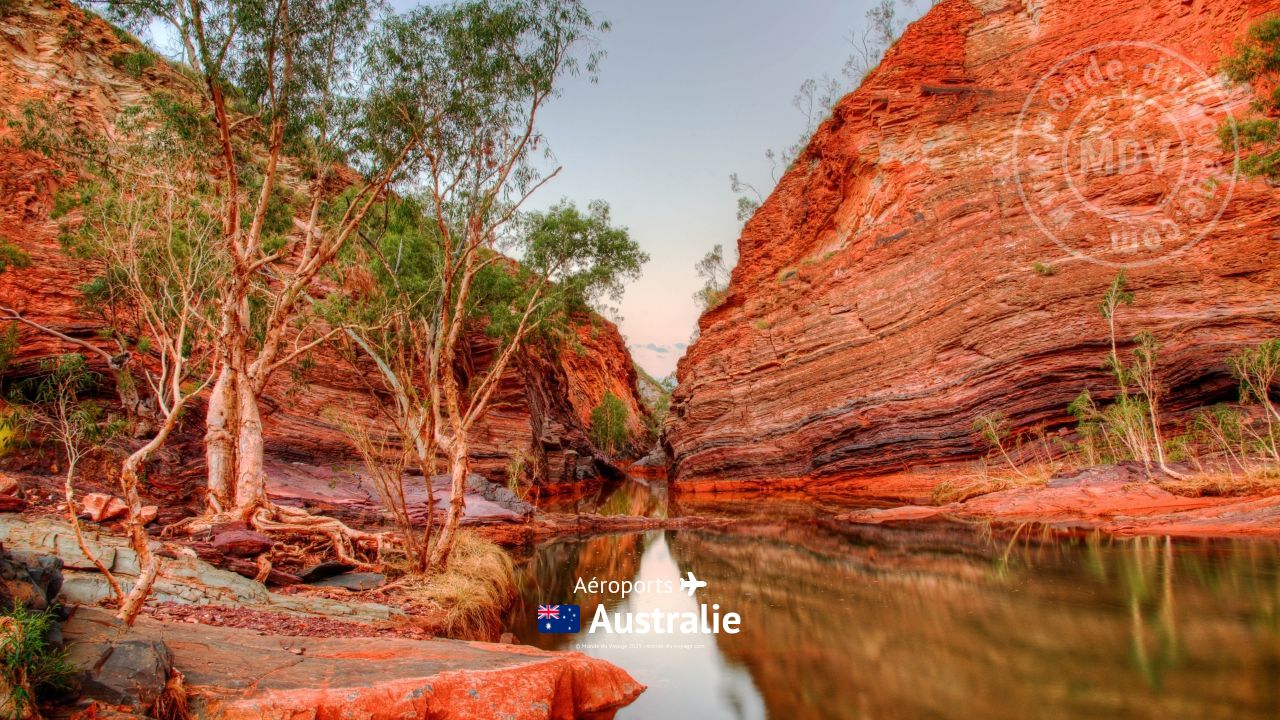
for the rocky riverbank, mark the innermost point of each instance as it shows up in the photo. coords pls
(242, 651)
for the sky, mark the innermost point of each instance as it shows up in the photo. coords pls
(688, 92)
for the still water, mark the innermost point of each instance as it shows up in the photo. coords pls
(937, 621)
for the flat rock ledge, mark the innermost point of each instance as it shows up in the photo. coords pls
(183, 579)
(237, 674)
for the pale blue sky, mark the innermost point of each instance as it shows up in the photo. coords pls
(688, 93)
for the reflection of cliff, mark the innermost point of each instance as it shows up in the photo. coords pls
(550, 574)
(1094, 629)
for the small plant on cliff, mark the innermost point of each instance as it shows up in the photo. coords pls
(1257, 369)
(12, 256)
(134, 63)
(609, 423)
(1257, 58)
(995, 428)
(1043, 269)
(31, 667)
(1132, 421)
(714, 273)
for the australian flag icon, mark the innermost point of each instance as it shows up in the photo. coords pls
(559, 619)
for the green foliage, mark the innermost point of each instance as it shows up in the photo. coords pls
(609, 424)
(714, 272)
(12, 256)
(1044, 269)
(1115, 296)
(993, 427)
(1257, 369)
(8, 346)
(1256, 59)
(32, 667)
(134, 63)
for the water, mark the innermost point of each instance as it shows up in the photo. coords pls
(939, 621)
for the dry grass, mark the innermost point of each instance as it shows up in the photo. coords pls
(1258, 480)
(985, 481)
(466, 601)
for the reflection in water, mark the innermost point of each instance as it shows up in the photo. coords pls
(627, 496)
(944, 622)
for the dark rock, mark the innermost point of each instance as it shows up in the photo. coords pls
(32, 580)
(11, 503)
(249, 569)
(324, 570)
(125, 672)
(45, 571)
(353, 581)
(241, 543)
(499, 495)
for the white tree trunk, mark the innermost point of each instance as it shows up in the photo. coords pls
(219, 441)
(459, 468)
(251, 479)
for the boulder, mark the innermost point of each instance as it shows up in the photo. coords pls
(149, 514)
(101, 507)
(498, 495)
(353, 581)
(241, 543)
(8, 485)
(29, 579)
(316, 573)
(131, 672)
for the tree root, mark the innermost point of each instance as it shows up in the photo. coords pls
(282, 520)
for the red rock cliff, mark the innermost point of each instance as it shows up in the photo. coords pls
(53, 52)
(939, 249)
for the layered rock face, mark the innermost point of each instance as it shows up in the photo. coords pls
(940, 248)
(52, 52)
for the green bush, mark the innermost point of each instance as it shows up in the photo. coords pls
(609, 424)
(134, 63)
(32, 668)
(12, 256)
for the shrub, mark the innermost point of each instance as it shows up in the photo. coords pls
(609, 424)
(1044, 269)
(133, 64)
(32, 668)
(12, 256)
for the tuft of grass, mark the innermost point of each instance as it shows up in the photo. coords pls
(30, 668)
(1044, 269)
(984, 482)
(471, 595)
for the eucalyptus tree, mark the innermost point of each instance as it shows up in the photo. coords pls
(477, 76)
(147, 234)
(569, 260)
(282, 84)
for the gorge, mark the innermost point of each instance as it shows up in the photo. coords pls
(982, 423)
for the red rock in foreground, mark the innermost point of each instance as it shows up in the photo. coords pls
(916, 268)
(237, 674)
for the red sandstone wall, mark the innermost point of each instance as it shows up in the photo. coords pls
(885, 294)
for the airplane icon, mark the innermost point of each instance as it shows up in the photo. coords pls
(692, 583)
